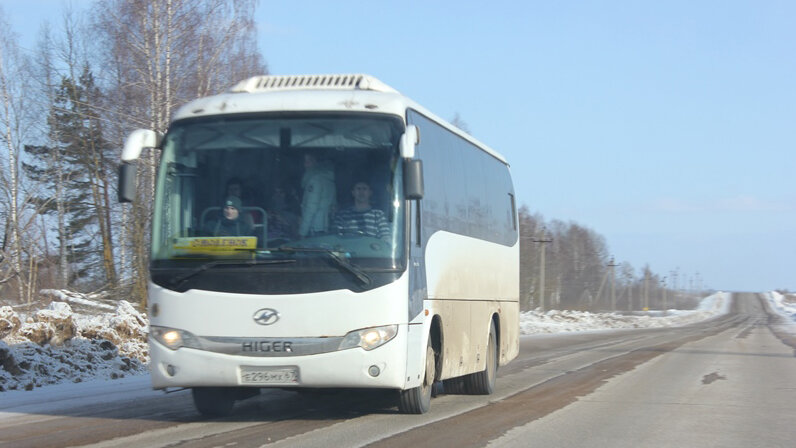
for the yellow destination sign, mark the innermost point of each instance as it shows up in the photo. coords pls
(216, 243)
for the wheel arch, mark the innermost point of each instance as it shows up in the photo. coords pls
(496, 324)
(437, 337)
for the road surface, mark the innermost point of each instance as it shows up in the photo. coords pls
(727, 382)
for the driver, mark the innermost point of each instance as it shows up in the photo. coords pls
(229, 222)
(362, 218)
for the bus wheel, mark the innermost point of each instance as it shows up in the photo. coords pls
(483, 382)
(213, 401)
(417, 400)
(454, 386)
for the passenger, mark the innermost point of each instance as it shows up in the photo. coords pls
(362, 218)
(235, 188)
(318, 196)
(282, 221)
(229, 223)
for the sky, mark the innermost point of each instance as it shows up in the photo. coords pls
(667, 127)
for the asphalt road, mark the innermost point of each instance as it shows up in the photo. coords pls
(726, 382)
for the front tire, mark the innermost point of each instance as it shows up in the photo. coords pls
(483, 382)
(213, 401)
(417, 400)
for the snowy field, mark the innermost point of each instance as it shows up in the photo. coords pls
(91, 341)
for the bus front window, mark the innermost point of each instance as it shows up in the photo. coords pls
(240, 194)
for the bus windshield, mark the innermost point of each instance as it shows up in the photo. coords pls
(321, 192)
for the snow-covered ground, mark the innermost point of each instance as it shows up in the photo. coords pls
(558, 321)
(93, 341)
(783, 305)
(61, 345)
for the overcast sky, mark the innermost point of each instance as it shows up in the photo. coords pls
(668, 127)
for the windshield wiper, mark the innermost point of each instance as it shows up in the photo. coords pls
(339, 259)
(177, 281)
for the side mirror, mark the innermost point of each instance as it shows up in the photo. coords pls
(409, 140)
(127, 178)
(413, 179)
(133, 146)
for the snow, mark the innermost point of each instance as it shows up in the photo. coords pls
(785, 306)
(558, 321)
(58, 346)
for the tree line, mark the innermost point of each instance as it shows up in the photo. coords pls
(67, 104)
(579, 272)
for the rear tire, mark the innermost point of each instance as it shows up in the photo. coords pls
(213, 401)
(483, 382)
(454, 386)
(417, 400)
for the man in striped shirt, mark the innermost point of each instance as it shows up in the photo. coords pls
(361, 218)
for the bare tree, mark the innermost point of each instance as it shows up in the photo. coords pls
(16, 122)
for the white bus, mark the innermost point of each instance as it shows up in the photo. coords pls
(301, 298)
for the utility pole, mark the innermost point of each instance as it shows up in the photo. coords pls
(543, 241)
(630, 295)
(612, 265)
(699, 285)
(646, 289)
(663, 281)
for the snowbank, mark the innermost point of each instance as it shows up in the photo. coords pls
(558, 321)
(57, 345)
(785, 306)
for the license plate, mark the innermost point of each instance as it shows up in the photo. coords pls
(269, 375)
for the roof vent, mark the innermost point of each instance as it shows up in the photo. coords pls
(311, 82)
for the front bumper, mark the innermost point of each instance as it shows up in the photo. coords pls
(188, 367)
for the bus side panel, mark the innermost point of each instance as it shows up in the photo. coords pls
(509, 331)
(465, 268)
(469, 281)
(458, 342)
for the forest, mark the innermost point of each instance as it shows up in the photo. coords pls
(67, 104)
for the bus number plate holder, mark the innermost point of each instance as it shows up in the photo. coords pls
(288, 375)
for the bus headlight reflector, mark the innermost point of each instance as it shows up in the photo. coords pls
(369, 338)
(173, 338)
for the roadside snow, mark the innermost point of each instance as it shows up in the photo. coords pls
(59, 345)
(558, 321)
(785, 306)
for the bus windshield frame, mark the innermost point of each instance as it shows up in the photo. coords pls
(292, 178)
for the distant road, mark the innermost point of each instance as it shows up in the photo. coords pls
(728, 382)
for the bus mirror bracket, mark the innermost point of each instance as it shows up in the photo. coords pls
(133, 146)
(137, 141)
(413, 179)
(409, 141)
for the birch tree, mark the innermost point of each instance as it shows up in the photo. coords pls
(16, 122)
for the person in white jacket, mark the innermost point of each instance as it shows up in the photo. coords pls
(319, 196)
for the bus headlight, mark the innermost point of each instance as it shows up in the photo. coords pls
(173, 338)
(369, 338)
